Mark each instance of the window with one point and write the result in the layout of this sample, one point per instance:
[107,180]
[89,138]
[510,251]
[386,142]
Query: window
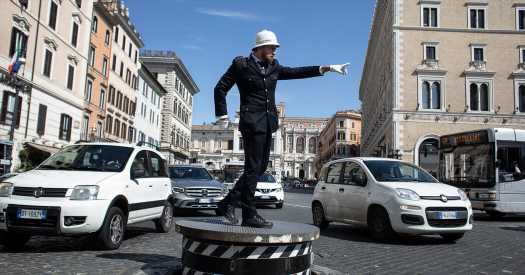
[341,124]
[48,59]
[126,104]
[99,129]
[353,125]
[479,96]
[136,54]
[53,15]
[123,131]
[91,56]
[478,53]
[124,43]
[341,135]
[520,18]
[109,124]
[521,97]
[70,76]
[431,95]
[430,16]
[116,128]
[111,97]
[522,54]
[74,34]
[130,49]
[128,76]
[241,143]
[141,163]
[18,43]
[334,173]
[121,69]
[85,126]
[79,3]
[115,35]
[119,100]
[351,172]
[131,134]
[41,123]
[105,67]
[94,25]
[290,144]
[11,106]
[430,51]
[102,99]
[476,18]
[300,145]
[65,127]
[114,63]
[158,168]
[107,37]
[312,148]
[89,90]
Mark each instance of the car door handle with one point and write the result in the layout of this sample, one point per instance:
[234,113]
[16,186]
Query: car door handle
[151,186]
[341,190]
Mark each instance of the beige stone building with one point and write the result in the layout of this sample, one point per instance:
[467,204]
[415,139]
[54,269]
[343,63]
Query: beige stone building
[340,138]
[435,67]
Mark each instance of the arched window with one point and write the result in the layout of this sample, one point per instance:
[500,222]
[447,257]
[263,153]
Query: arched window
[107,38]
[425,100]
[474,97]
[300,145]
[290,144]
[484,97]
[312,148]
[428,155]
[436,96]
[521,96]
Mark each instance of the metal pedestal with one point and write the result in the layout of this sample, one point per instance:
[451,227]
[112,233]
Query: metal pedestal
[210,246]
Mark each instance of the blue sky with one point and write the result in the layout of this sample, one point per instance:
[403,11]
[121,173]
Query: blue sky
[208,34]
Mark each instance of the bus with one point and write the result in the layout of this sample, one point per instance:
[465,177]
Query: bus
[489,165]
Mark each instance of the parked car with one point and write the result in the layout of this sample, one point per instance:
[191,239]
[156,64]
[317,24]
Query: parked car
[87,188]
[194,188]
[7,176]
[389,196]
[269,191]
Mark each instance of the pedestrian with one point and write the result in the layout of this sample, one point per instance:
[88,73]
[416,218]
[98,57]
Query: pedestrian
[256,78]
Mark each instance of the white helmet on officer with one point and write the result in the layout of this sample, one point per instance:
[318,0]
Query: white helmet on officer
[265,37]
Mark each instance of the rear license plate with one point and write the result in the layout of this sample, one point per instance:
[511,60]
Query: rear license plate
[205,200]
[31,214]
[447,215]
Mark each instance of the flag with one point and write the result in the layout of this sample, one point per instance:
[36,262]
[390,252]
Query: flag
[15,64]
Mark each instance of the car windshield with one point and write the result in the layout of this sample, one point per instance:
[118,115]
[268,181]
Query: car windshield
[266,178]
[103,158]
[196,173]
[390,171]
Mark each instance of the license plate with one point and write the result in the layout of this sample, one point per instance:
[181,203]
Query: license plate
[265,197]
[31,214]
[447,215]
[205,200]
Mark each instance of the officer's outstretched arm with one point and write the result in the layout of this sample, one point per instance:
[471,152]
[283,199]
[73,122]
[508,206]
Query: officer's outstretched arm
[221,89]
[286,73]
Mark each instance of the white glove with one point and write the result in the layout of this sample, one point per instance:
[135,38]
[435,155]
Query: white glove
[341,69]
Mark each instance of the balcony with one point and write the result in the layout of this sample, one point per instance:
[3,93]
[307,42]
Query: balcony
[478,65]
[431,63]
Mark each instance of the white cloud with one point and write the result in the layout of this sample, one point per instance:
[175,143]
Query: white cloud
[232,14]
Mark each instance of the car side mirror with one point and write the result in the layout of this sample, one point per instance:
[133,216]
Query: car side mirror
[138,173]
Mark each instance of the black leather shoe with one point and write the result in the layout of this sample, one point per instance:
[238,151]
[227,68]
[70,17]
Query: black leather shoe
[257,222]
[228,211]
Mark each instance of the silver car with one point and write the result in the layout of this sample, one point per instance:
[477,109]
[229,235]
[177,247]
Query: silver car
[194,188]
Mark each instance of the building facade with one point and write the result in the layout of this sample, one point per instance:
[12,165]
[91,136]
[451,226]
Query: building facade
[149,105]
[123,80]
[177,107]
[47,109]
[97,82]
[340,138]
[436,67]
[300,140]
[212,145]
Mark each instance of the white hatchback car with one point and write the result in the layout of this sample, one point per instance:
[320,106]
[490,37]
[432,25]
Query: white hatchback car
[269,191]
[389,196]
[87,188]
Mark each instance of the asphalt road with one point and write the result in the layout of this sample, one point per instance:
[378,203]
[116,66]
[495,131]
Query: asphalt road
[495,246]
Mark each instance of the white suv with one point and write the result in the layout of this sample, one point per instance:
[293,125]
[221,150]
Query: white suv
[87,188]
[389,196]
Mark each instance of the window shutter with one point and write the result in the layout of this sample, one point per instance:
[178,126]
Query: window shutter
[69,122]
[42,113]
[18,111]
[5,100]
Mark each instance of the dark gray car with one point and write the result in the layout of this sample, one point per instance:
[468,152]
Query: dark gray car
[194,188]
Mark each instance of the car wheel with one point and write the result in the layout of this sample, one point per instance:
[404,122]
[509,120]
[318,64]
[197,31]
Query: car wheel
[452,237]
[495,214]
[111,234]
[319,217]
[14,240]
[279,205]
[379,225]
[163,224]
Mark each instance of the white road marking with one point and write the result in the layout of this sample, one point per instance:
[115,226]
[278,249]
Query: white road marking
[297,205]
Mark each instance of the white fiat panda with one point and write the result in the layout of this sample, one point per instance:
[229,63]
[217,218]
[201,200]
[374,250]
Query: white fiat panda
[87,188]
[389,196]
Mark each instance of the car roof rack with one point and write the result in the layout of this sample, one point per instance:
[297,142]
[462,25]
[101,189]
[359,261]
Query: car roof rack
[142,143]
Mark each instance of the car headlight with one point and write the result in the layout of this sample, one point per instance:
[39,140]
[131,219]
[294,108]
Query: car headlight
[278,190]
[84,192]
[407,194]
[6,189]
[178,190]
[462,195]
